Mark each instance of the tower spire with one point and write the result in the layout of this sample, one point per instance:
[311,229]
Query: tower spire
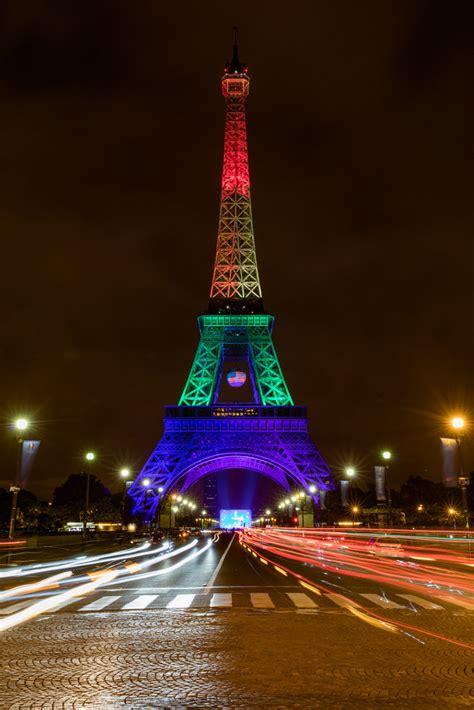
[235,283]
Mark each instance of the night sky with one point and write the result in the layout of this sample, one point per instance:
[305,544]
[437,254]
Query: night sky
[360,127]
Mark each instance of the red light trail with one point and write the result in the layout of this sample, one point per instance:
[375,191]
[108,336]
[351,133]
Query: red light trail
[345,554]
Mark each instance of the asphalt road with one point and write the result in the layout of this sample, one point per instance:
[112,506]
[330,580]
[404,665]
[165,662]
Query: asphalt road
[220,624]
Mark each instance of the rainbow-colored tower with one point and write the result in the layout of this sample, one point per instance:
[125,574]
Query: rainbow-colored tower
[235,411]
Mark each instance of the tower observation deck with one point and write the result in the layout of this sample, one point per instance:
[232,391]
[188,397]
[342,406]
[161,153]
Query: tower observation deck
[235,411]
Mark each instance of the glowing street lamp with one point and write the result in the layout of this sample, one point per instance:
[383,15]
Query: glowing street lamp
[350,472]
[89,457]
[146,485]
[312,489]
[453,513]
[124,475]
[21,424]
[387,455]
[457,423]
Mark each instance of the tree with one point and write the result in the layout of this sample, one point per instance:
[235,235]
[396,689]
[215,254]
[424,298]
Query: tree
[72,494]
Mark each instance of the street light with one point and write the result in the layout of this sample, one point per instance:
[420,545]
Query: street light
[20,425]
[146,484]
[268,512]
[312,488]
[90,456]
[124,475]
[350,472]
[458,424]
[387,455]
[453,513]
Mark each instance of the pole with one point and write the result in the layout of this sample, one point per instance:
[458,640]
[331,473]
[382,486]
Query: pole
[86,511]
[463,482]
[122,516]
[145,510]
[389,497]
[15,489]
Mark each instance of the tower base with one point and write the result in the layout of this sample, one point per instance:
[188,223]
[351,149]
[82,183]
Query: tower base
[197,441]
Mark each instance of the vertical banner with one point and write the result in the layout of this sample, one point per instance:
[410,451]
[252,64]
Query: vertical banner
[449,449]
[29,449]
[344,493]
[322,499]
[380,483]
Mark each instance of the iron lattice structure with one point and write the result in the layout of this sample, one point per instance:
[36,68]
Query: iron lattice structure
[204,434]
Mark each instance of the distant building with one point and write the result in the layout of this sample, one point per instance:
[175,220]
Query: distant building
[210,496]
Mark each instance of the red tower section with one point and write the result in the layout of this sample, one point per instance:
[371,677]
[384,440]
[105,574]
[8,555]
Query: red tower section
[235,284]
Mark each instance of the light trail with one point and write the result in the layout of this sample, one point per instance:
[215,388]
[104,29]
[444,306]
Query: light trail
[81,561]
[157,573]
[43,585]
[50,603]
[359,559]
[256,540]
[96,579]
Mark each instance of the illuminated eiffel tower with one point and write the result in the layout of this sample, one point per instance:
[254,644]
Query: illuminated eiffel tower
[236,411]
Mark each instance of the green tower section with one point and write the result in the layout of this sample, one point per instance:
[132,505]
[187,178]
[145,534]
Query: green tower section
[252,335]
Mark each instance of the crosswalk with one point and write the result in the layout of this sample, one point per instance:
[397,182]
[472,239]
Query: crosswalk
[275,598]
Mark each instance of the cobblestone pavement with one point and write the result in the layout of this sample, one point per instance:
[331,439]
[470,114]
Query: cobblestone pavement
[227,659]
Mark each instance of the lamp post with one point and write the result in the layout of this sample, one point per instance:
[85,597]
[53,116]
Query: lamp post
[387,455]
[312,491]
[146,484]
[457,424]
[124,475]
[160,490]
[20,425]
[90,456]
[452,512]
[350,473]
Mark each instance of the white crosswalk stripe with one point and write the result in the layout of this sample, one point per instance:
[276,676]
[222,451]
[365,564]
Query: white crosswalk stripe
[382,601]
[419,601]
[341,601]
[100,603]
[141,602]
[221,600]
[261,600]
[181,601]
[301,601]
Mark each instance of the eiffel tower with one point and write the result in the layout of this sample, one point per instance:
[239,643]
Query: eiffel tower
[236,411]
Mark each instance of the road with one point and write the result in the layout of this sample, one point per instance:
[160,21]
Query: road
[222,621]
